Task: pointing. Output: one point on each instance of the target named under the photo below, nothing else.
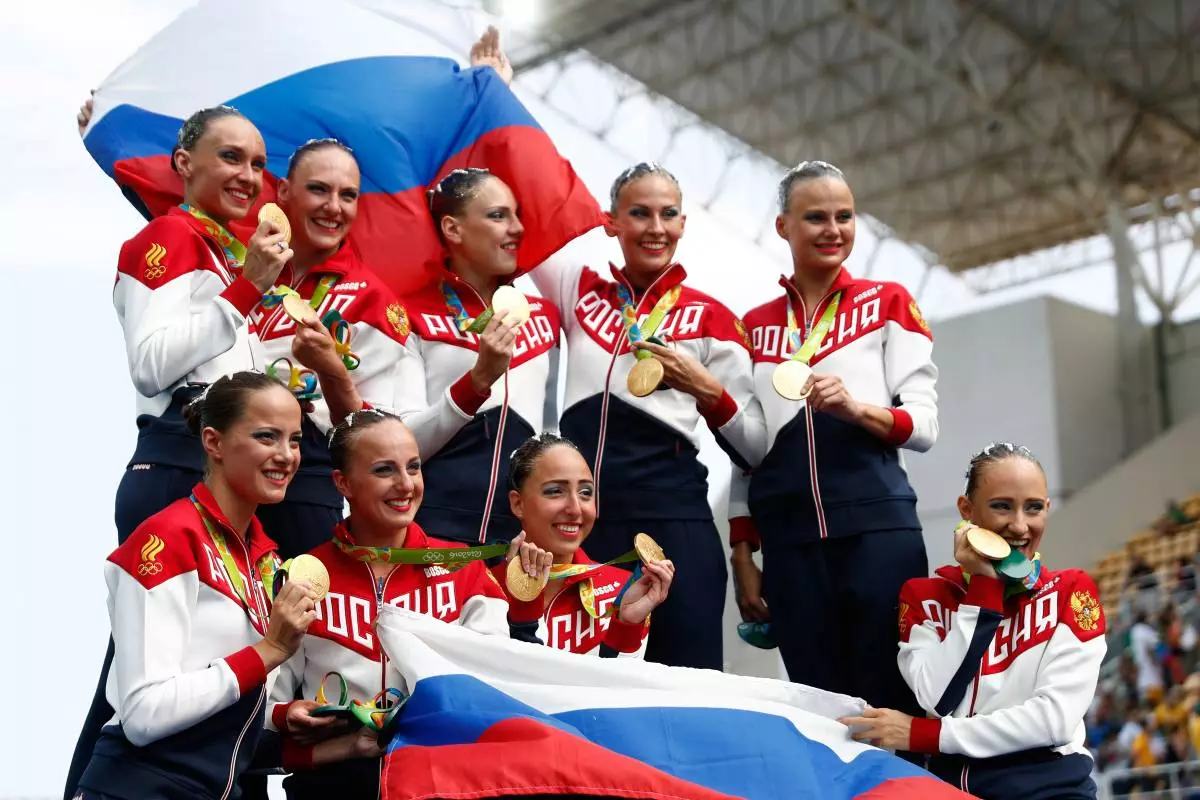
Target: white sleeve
(1065, 686)
(485, 614)
(432, 424)
(911, 376)
(288, 678)
(744, 435)
(557, 279)
(179, 326)
(378, 376)
(152, 632)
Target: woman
(831, 500)
(601, 611)
(320, 197)
(377, 468)
(189, 601)
(184, 292)
(1005, 669)
(483, 380)
(644, 449)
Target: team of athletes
(258, 424)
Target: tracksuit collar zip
(259, 544)
(668, 279)
(843, 281)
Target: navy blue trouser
(1039, 774)
(685, 631)
(142, 493)
(835, 612)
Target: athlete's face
(648, 223)
(321, 198)
(382, 479)
(258, 455)
(488, 232)
(1011, 499)
(819, 223)
(557, 504)
(223, 174)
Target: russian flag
(386, 81)
(491, 717)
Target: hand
(85, 113)
(291, 613)
(829, 394)
(495, 351)
(747, 585)
(647, 593)
(313, 346)
(306, 728)
(968, 558)
(487, 53)
(264, 258)
(883, 727)
(535, 561)
(682, 372)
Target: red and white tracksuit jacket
(466, 437)
(342, 637)
(188, 688)
(184, 315)
(1025, 666)
(821, 476)
(566, 623)
(636, 443)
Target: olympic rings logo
(149, 568)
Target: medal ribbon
(418, 555)
(657, 315)
(803, 352)
(300, 382)
(339, 328)
(276, 294)
(1015, 587)
(462, 320)
(587, 593)
(266, 568)
(235, 251)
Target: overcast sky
(67, 397)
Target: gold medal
(297, 309)
(988, 544)
(309, 568)
(522, 585)
(274, 214)
(507, 298)
(647, 549)
(645, 377)
(790, 379)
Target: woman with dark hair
(193, 619)
(378, 555)
(844, 371)
(1004, 661)
(584, 607)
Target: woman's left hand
(313, 346)
(487, 53)
(647, 593)
(686, 374)
(882, 727)
(828, 393)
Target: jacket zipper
(237, 746)
(815, 482)
(380, 586)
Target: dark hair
(196, 125)
(993, 454)
(636, 172)
(802, 172)
(525, 458)
(223, 402)
(312, 146)
(449, 197)
(345, 433)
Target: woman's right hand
(292, 612)
(266, 253)
(747, 585)
(535, 561)
(495, 351)
(968, 558)
(85, 113)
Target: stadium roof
(979, 129)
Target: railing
(1179, 781)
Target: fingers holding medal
(267, 251)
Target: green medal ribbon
(276, 294)
(267, 567)
(428, 556)
(462, 320)
(804, 351)
(235, 251)
(657, 315)
(587, 592)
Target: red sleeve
(903, 309)
(1082, 610)
(164, 250)
(743, 529)
(463, 393)
(626, 637)
(156, 552)
(389, 314)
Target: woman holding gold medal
(575, 603)
(378, 555)
(843, 369)
(1002, 653)
(190, 602)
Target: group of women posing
(430, 424)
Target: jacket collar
(843, 281)
(260, 543)
(668, 279)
